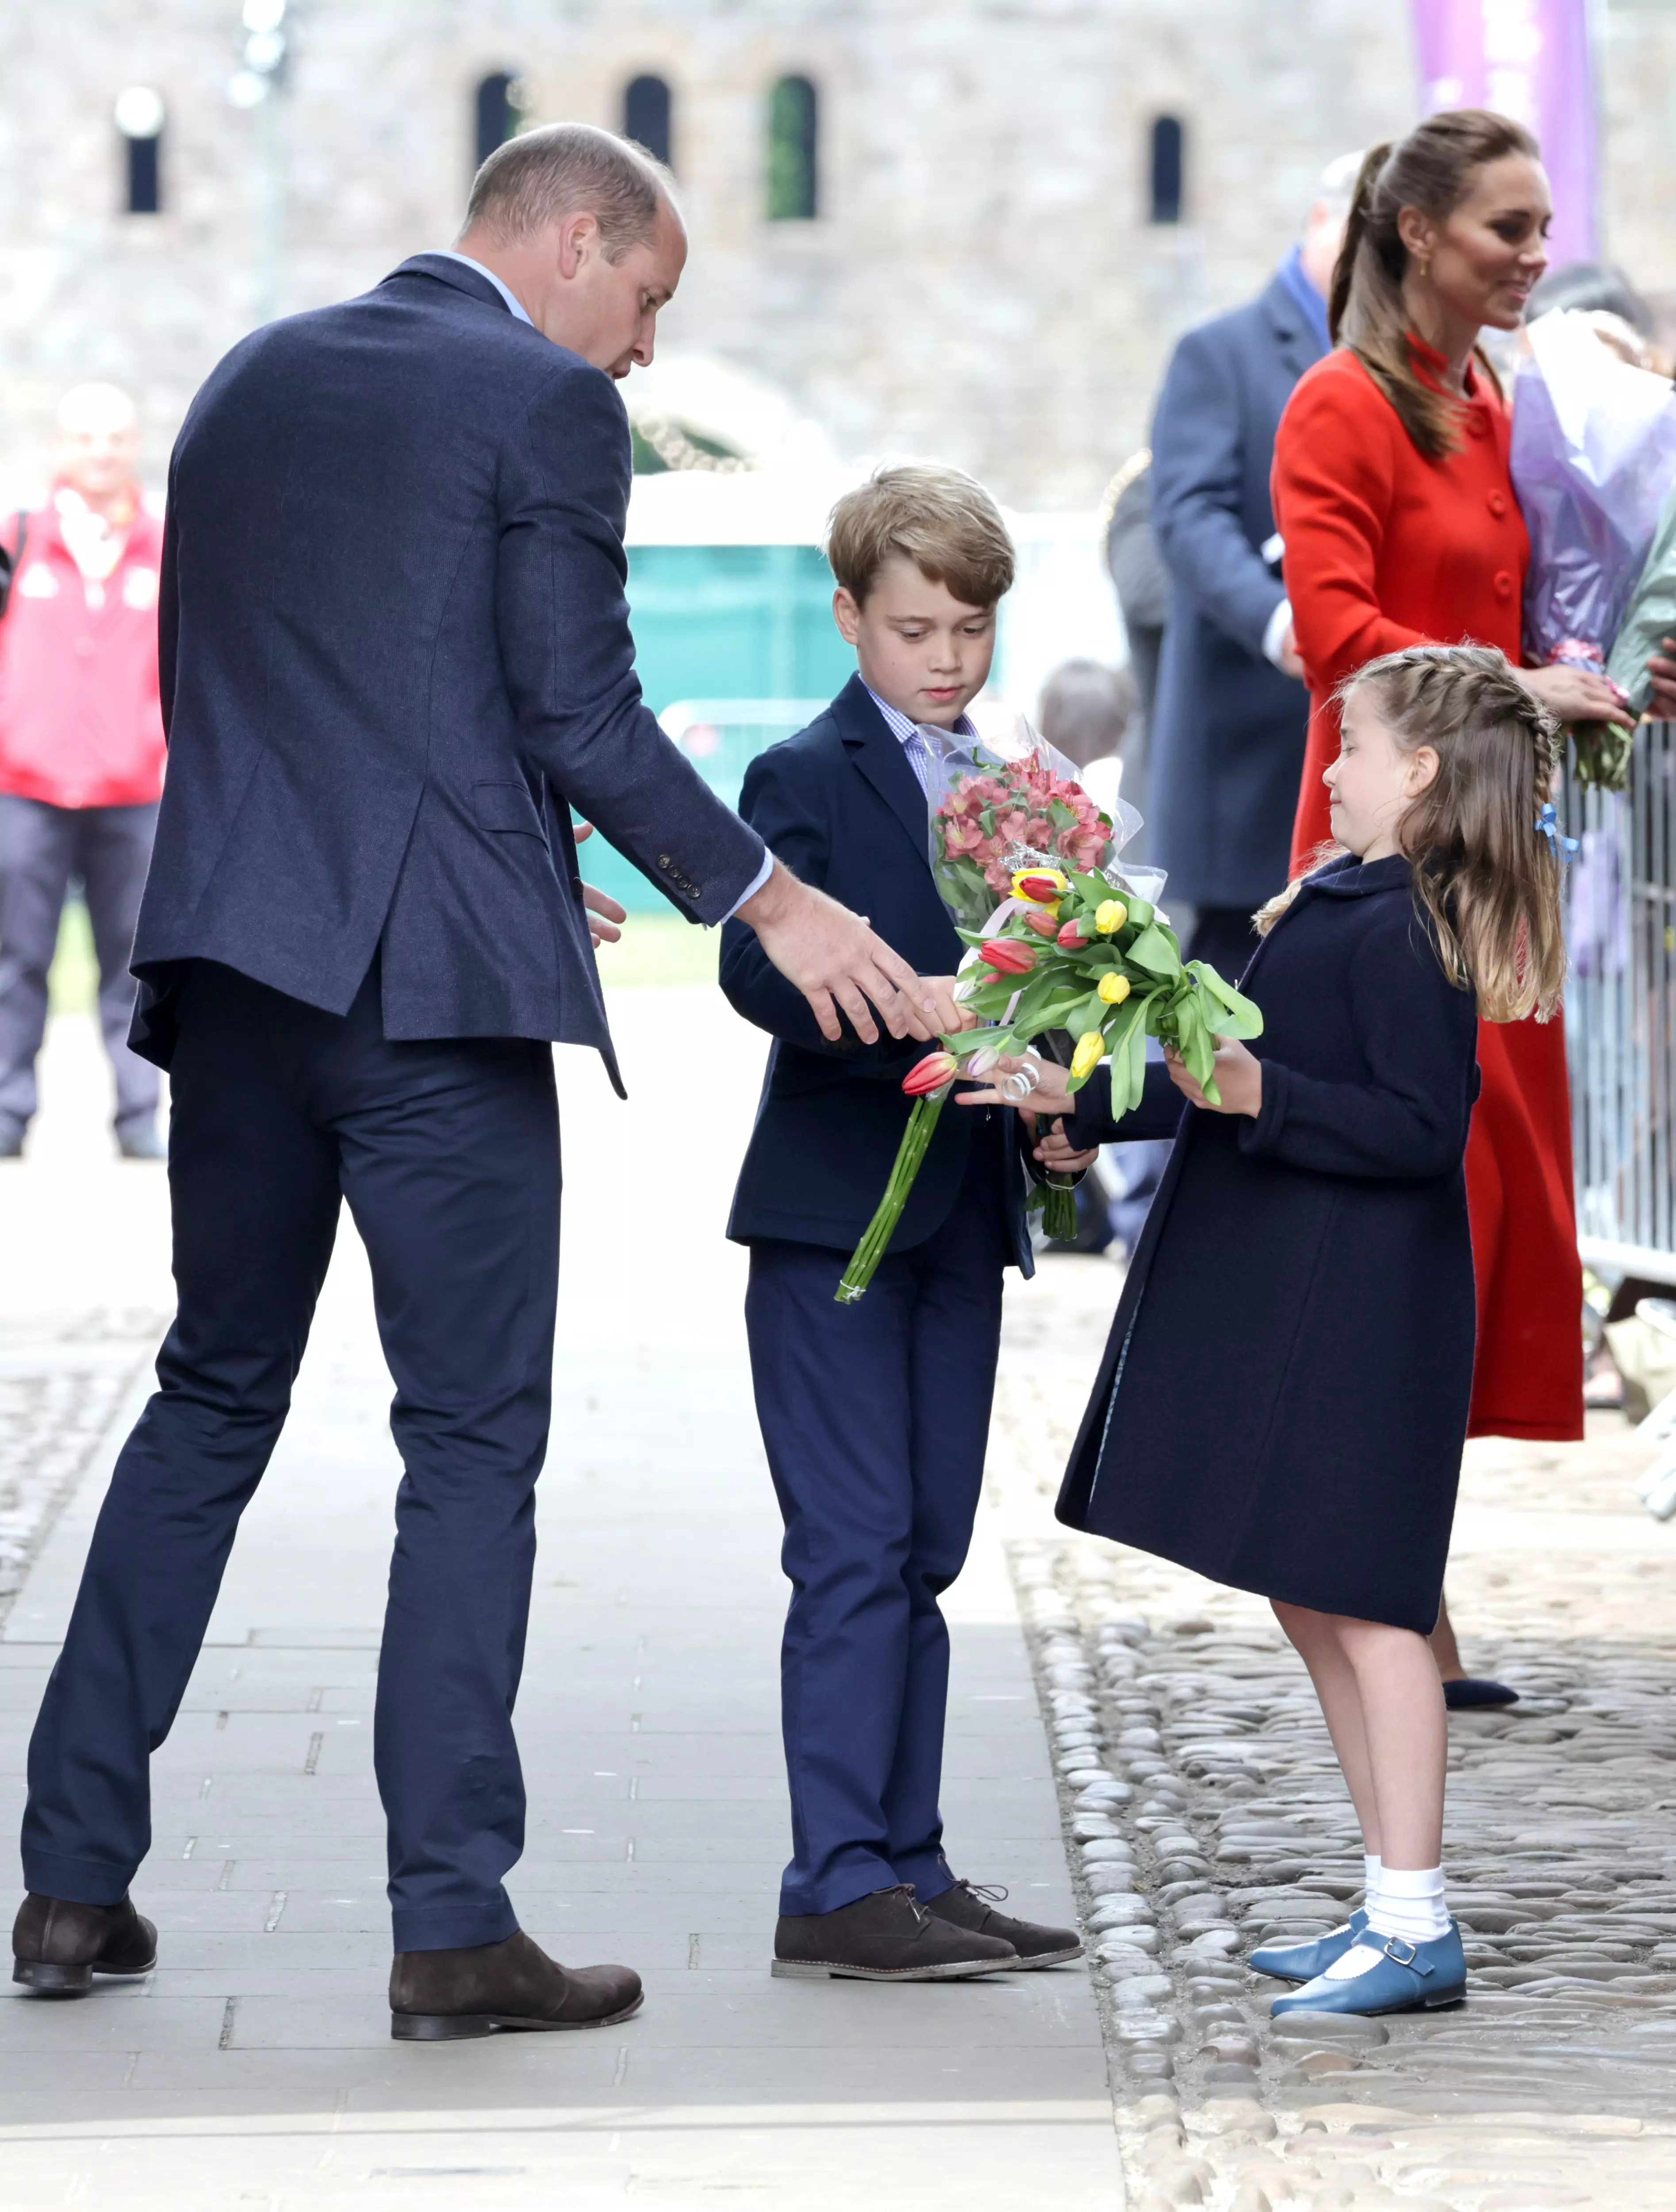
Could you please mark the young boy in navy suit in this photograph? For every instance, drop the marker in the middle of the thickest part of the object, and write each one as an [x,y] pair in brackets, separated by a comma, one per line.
[875,1415]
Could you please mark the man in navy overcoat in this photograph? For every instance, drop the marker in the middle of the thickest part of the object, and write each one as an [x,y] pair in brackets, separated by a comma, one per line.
[395,651]
[1232,710]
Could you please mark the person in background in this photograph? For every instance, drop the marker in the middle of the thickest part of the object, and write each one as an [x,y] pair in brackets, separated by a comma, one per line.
[81,749]
[1142,584]
[1227,743]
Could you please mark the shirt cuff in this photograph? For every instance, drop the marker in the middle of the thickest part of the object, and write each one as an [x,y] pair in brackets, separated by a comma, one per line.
[755,885]
[1274,637]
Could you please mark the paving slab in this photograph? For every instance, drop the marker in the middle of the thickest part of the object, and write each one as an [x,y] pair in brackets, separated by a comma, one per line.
[255,2066]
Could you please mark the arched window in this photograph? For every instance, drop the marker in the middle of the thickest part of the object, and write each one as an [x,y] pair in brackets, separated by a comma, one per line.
[499,111]
[793,150]
[139,121]
[1169,166]
[646,115]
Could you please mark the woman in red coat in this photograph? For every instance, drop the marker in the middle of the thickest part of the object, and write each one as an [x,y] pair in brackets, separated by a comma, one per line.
[1393,493]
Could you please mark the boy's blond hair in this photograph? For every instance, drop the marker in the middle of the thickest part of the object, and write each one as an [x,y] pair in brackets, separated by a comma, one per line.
[939,519]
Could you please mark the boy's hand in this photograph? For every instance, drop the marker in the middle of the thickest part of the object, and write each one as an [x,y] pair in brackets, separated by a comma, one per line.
[608,916]
[1239,1077]
[836,961]
[951,1016]
[1049,1097]
[1054,1151]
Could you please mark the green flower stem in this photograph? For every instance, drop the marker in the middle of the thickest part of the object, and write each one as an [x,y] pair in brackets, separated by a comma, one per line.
[910,1156]
[1059,1209]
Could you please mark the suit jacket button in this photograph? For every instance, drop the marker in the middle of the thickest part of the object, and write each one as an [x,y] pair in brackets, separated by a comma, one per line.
[662,862]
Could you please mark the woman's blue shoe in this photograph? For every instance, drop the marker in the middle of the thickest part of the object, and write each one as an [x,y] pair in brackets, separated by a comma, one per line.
[1301,1962]
[1406,1978]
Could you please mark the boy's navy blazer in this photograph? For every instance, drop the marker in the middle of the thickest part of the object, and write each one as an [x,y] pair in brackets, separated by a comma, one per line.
[394,652]
[842,806]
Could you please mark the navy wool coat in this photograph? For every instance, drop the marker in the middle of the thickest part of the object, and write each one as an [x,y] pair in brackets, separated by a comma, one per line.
[1228,727]
[841,806]
[394,651]
[1282,1401]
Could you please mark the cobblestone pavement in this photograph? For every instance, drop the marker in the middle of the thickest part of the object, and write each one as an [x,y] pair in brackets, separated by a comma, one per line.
[61,1383]
[1205,1813]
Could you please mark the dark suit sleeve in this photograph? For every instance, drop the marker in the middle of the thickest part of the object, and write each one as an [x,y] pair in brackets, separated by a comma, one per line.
[1418,1035]
[1157,1115]
[569,659]
[1197,477]
[168,610]
[783,802]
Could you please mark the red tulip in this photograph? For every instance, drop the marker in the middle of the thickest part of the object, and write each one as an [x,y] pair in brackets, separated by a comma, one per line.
[930,1073]
[1041,918]
[1007,955]
[1043,884]
[1072,936]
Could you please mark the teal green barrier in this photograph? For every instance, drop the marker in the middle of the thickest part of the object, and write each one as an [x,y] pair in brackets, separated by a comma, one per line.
[730,625]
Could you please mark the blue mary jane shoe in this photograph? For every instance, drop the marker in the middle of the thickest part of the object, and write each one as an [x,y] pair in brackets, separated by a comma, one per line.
[1301,1962]
[1407,1977]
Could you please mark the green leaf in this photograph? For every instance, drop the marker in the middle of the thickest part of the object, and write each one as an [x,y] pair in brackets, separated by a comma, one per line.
[1234,1016]
[1155,950]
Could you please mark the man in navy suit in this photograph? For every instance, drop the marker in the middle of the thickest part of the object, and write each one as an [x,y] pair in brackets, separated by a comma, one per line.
[395,651]
[874,1415]
[1232,710]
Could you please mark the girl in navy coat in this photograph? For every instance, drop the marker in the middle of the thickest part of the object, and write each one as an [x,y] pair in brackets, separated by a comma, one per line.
[1283,1402]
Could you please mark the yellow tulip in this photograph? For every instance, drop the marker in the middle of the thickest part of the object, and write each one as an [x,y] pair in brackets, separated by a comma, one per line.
[1109,916]
[1091,1051]
[1114,989]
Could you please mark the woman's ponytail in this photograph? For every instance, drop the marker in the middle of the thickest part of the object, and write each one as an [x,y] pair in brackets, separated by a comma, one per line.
[1356,231]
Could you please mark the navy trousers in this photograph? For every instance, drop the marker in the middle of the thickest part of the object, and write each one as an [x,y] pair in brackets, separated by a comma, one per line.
[42,850]
[448,1156]
[875,1417]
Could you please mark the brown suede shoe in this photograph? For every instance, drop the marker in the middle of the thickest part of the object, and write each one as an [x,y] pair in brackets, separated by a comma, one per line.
[884,1938]
[440,1997]
[966,1905]
[58,1946]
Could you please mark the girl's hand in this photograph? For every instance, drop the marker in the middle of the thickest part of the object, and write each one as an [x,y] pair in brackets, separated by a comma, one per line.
[606,917]
[1239,1077]
[949,1014]
[1662,670]
[1574,694]
[1055,1153]
[1049,1098]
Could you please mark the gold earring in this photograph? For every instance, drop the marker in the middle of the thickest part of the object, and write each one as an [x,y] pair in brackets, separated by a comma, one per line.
[1425,269]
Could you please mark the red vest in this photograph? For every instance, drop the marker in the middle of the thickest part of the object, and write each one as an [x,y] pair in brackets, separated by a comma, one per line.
[80,722]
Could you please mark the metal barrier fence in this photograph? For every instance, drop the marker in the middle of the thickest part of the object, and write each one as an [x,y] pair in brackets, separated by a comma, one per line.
[1620,1012]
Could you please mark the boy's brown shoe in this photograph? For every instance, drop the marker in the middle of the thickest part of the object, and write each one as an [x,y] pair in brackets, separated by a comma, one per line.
[966,1905]
[442,1996]
[57,1947]
[886,1937]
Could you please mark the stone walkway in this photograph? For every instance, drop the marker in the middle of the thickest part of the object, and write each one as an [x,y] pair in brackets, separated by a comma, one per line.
[255,2067]
[1208,1815]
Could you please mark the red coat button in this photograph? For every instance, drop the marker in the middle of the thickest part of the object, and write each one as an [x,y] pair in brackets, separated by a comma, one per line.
[1496,503]
[1503,585]
[1477,424]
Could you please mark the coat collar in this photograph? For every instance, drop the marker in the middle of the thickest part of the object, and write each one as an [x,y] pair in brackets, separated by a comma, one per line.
[1348,878]
[1288,326]
[876,753]
[447,270]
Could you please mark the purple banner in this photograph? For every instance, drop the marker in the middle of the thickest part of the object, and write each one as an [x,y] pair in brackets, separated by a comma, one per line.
[1530,59]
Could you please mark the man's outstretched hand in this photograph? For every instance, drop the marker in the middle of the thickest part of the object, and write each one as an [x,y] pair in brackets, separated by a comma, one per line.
[836,961]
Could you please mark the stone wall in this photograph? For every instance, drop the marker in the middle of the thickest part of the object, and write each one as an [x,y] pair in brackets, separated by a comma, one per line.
[982,283]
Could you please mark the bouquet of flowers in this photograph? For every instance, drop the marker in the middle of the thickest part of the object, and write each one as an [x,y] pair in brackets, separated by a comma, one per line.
[1058,940]
[1594,463]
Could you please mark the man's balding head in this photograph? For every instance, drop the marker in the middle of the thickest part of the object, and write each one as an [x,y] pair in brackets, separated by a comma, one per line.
[569,169]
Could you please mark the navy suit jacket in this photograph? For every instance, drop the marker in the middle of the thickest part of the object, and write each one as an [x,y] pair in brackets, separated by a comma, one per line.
[841,806]
[1229,728]
[395,651]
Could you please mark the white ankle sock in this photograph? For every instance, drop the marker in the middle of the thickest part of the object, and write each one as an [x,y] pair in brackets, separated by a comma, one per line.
[1369,1877]
[1408,1902]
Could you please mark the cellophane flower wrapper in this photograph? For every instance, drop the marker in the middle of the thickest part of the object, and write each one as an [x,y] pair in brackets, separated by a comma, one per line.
[1058,939]
[1651,618]
[1594,463]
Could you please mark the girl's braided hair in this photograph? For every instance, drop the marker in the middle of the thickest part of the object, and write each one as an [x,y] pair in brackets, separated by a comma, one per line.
[1487,877]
